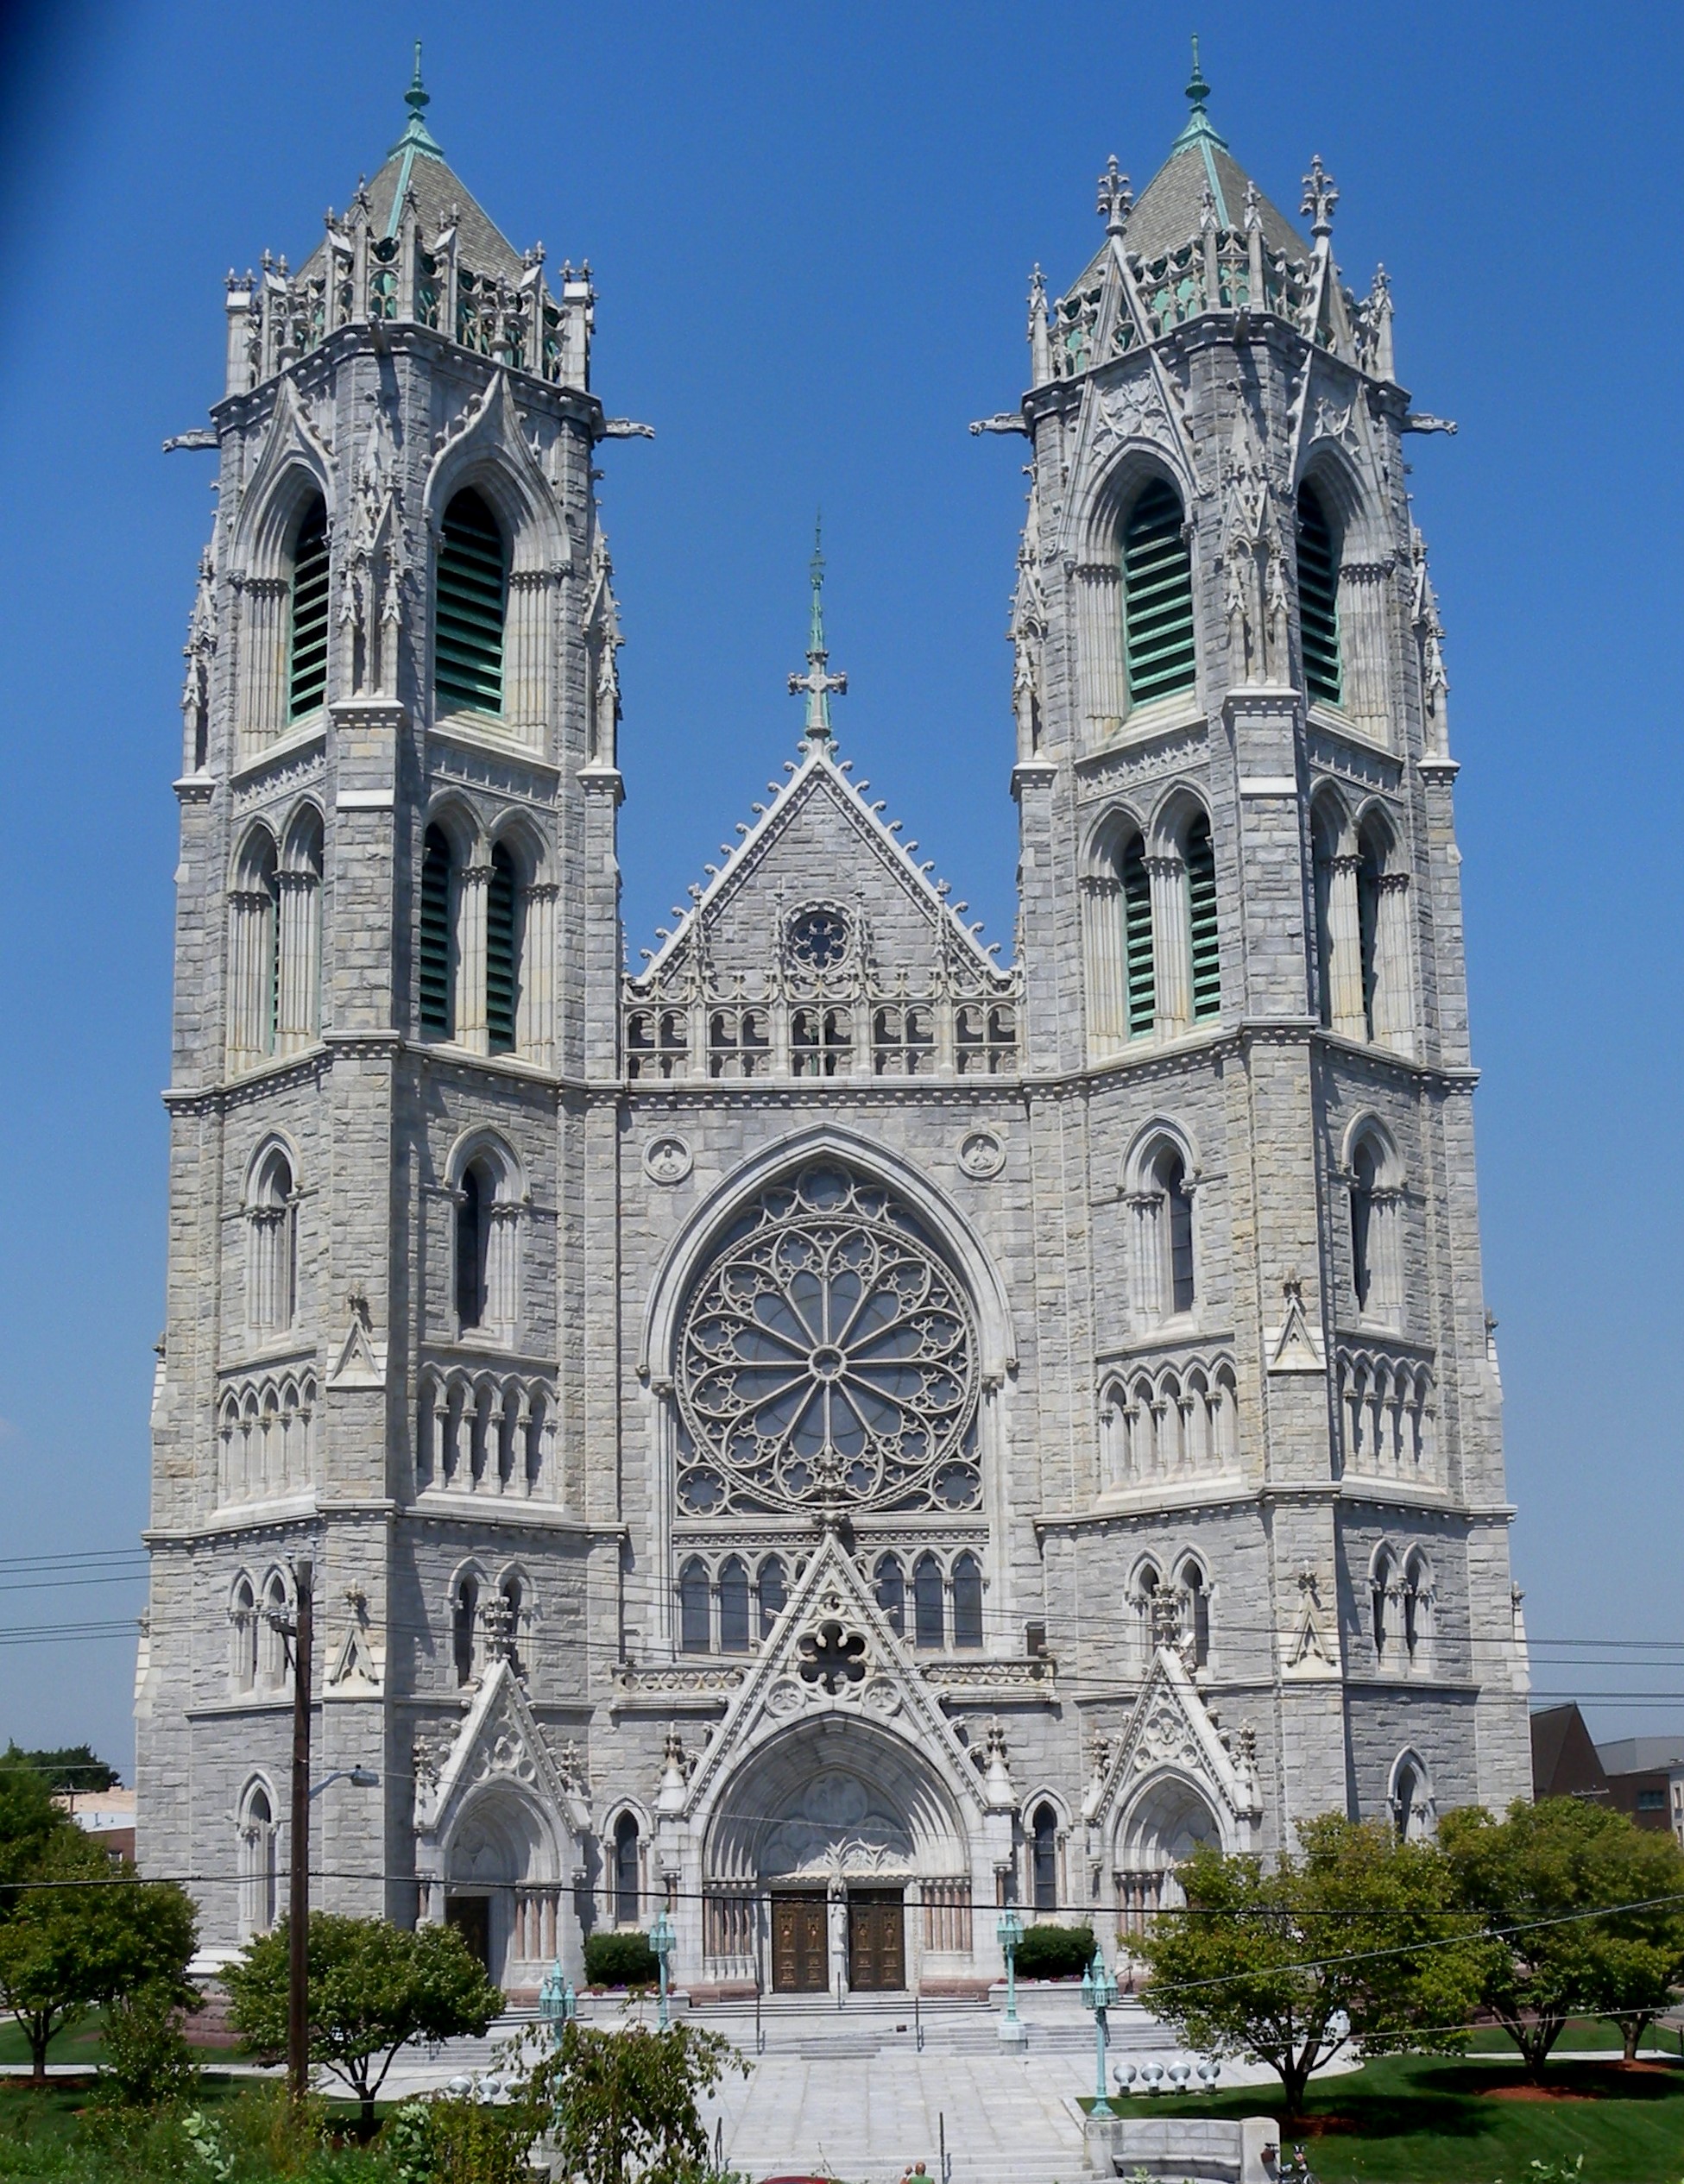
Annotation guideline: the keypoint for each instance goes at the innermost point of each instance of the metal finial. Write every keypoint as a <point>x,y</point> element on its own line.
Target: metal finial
<point>417,98</point>
<point>818,683</point>
<point>1197,90</point>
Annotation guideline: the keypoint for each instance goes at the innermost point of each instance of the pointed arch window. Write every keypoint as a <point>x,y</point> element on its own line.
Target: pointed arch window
<point>774,1588</point>
<point>1201,932</point>
<point>1197,1622</point>
<point>1177,1230</point>
<point>968,1601</point>
<point>890,1586</point>
<point>1365,1175</point>
<point>1318,598</point>
<point>1381,1592</point>
<point>733,1606</point>
<point>307,653</point>
<point>929,1605</point>
<point>1158,596</point>
<point>272,1662</point>
<point>464,1626</point>
<point>438,982</point>
<point>627,1890</point>
<point>242,1620</point>
<point>513,1593</point>
<point>502,953</point>
<point>272,1247</point>
<point>471,602</point>
<point>1045,1883</point>
<point>473,1231</point>
<point>260,1867</point>
<point>695,1609</point>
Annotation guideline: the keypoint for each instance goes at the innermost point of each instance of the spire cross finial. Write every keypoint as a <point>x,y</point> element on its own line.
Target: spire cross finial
<point>1116,198</point>
<point>1320,197</point>
<point>818,683</point>
<point>1197,90</point>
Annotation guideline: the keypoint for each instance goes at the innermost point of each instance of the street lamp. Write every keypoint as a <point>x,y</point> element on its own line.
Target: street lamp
<point>359,1778</point>
<point>1099,1991</point>
<point>1008,1934</point>
<point>557,2001</point>
<point>661,1941</point>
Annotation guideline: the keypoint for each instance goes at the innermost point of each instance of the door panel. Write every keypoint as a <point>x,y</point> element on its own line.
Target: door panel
<point>471,1917</point>
<point>799,1950</point>
<point>876,1941</point>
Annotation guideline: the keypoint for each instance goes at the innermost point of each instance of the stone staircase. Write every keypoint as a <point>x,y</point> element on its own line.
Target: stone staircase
<point>812,2028</point>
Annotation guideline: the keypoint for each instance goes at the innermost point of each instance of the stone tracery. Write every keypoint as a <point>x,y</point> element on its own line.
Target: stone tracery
<point>827,1357</point>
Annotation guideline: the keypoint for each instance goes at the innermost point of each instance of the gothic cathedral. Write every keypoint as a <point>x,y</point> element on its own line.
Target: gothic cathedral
<point>827,1433</point>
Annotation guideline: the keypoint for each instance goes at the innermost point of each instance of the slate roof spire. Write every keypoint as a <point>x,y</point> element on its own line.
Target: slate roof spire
<point>417,136</point>
<point>817,683</point>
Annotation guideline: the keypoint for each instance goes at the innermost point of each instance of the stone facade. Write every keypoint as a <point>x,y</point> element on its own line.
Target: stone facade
<point>826,1433</point>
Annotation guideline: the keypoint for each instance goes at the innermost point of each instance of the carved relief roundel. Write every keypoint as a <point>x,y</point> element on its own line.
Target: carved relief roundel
<point>826,1356</point>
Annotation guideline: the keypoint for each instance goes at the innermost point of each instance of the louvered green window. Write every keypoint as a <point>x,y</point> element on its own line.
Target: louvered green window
<point>1137,941</point>
<point>1202,920</point>
<point>1157,596</point>
<point>468,617</point>
<point>438,1017</point>
<point>306,660</point>
<point>499,954</point>
<point>1318,597</point>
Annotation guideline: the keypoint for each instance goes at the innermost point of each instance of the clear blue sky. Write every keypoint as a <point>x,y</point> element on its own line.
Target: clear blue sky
<point>811,229</point>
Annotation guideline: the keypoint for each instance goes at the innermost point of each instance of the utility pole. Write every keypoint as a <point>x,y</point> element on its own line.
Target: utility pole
<point>298,1934</point>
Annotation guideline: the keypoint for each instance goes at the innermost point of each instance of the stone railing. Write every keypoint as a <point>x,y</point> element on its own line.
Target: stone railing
<point>361,278</point>
<point>853,1026</point>
<point>1388,1408</point>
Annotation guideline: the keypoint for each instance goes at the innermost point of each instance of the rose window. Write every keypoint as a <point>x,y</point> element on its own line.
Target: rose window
<point>826,1356</point>
<point>818,939</point>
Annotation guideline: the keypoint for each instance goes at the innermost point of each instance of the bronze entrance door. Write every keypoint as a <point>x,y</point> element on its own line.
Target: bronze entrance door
<point>471,1917</point>
<point>876,1941</point>
<point>799,1954</point>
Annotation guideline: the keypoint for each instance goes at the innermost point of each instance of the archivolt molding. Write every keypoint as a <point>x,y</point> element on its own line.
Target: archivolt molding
<point>487,448</point>
<point>267,506</point>
<point>1169,1735</point>
<point>500,1746</point>
<point>987,1295</point>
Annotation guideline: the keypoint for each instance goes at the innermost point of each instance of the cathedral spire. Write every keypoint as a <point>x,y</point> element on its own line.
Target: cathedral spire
<point>417,136</point>
<point>1199,129</point>
<point>817,683</point>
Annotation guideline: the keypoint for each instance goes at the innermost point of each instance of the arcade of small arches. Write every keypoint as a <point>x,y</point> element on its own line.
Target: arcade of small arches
<point>488,1617</point>
<point>266,1433</point>
<point>258,1617</point>
<point>1150,925</point>
<point>1179,1421</point>
<point>1362,931</point>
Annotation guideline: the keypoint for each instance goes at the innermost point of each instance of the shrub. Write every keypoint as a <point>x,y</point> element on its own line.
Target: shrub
<point>147,2063</point>
<point>1055,1953</point>
<point>619,1960</point>
<point>445,2141</point>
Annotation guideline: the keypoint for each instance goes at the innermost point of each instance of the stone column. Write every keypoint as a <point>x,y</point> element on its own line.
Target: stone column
<point>297,1013</point>
<point>473,885</point>
<point>1344,937</point>
<point>249,945</point>
<point>1172,947</point>
<point>1103,948</point>
<point>1104,691</point>
<point>534,1029</point>
<point>1394,1018</point>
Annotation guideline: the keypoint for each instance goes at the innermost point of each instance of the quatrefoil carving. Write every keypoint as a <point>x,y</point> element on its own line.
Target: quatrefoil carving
<point>832,1655</point>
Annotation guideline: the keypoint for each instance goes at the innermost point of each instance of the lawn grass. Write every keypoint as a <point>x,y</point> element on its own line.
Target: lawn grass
<point>1419,2119</point>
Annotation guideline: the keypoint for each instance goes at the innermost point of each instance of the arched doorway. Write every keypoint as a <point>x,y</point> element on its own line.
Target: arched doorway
<point>836,1858</point>
<point>1165,1823</point>
<point>502,1885</point>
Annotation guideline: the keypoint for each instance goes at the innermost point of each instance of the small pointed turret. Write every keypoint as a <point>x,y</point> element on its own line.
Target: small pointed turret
<point>817,683</point>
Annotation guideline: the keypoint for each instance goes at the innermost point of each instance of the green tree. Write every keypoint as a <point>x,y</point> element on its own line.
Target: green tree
<point>86,1931</point>
<point>1354,1938</point>
<point>28,1818</point>
<point>625,2103</point>
<point>1539,1882</point>
<point>372,1986</point>
<point>71,1766</point>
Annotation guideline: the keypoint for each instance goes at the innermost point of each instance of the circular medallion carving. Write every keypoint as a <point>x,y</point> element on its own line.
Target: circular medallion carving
<point>818,937</point>
<point>666,1159</point>
<point>826,1356</point>
<point>981,1155</point>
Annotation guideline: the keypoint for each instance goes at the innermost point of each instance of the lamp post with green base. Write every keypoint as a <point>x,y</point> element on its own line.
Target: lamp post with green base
<point>1008,1934</point>
<point>661,1940</point>
<point>1099,1991</point>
